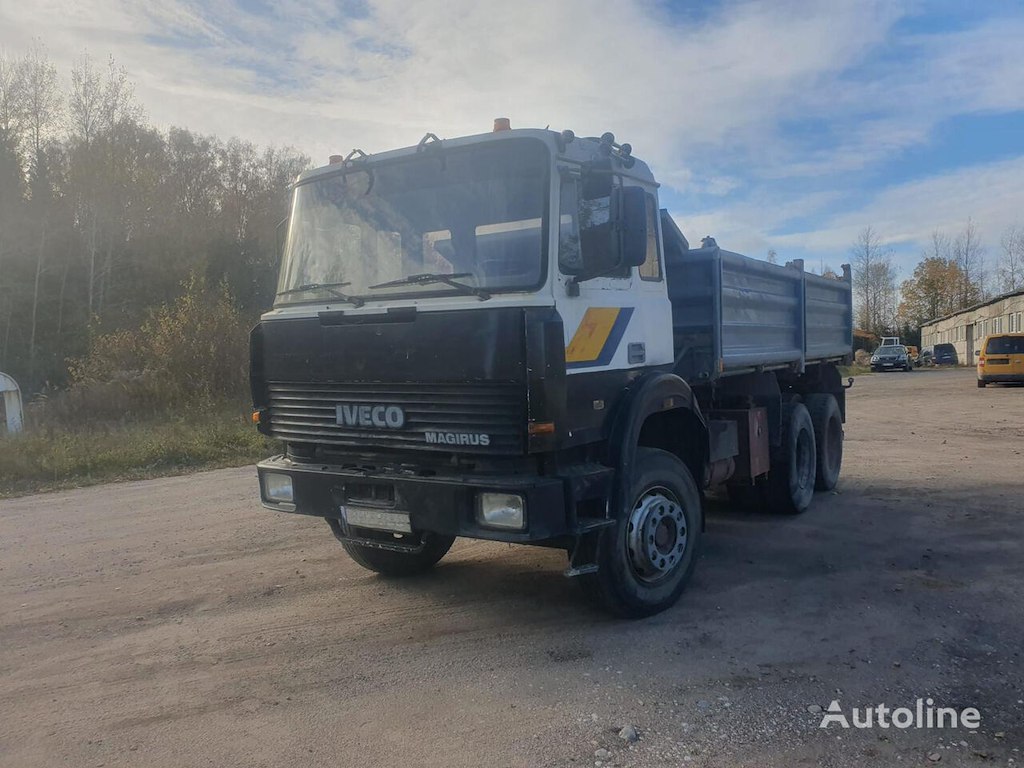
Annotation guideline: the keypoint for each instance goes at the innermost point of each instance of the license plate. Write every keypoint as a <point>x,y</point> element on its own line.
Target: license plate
<point>376,519</point>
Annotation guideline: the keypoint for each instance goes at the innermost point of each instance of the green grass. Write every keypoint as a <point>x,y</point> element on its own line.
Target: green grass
<point>51,459</point>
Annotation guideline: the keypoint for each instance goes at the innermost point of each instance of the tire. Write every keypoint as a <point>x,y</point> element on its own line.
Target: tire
<point>828,439</point>
<point>790,485</point>
<point>388,562</point>
<point>646,559</point>
<point>981,384</point>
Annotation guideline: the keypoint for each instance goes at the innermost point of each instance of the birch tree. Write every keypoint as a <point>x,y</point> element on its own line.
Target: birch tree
<point>1011,265</point>
<point>874,282</point>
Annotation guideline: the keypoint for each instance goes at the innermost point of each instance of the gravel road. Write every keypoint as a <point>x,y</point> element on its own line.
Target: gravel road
<point>174,622</point>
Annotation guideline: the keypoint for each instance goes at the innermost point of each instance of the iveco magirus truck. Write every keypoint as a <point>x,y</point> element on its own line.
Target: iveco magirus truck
<point>504,337</point>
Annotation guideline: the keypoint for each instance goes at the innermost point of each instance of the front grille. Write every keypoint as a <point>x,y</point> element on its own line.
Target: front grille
<point>307,413</point>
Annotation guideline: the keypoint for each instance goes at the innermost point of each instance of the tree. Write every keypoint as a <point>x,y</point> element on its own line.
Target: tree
<point>85,101</point>
<point>874,283</point>
<point>42,112</point>
<point>927,294</point>
<point>103,218</point>
<point>968,254</point>
<point>1011,265</point>
<point>12,188</point>
<point>42,98</point>
<point>104,116</point>
<point>12,124</point>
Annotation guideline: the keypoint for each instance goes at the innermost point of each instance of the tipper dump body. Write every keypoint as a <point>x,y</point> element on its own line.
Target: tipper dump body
<point>733,314</point>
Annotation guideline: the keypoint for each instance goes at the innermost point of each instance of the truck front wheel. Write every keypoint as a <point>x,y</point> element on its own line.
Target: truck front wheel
<point>389,562</point>
<point>645,560</point>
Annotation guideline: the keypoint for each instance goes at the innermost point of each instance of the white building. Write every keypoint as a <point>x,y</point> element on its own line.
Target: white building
<point>966,329</point>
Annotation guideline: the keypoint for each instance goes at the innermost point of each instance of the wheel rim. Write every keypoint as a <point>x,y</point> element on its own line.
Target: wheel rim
<point>804,459</point>
<point>656,535</point>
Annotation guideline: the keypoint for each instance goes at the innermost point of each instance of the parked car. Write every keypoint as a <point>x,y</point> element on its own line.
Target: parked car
<point>891,357</point>
<point>925,358</point>
<point>945,354</point>
<point>1001,359</point>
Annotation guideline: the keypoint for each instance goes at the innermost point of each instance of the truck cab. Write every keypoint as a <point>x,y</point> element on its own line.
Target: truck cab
<point>475,337</point>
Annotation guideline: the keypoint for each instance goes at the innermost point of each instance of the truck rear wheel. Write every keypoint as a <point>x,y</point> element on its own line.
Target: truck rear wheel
<point>790,484</point>
<point>828,439</point>
<point>645,560</point>
<point>389,562</point>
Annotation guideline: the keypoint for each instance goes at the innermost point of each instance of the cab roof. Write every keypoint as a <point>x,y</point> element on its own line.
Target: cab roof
<point>576,150</point>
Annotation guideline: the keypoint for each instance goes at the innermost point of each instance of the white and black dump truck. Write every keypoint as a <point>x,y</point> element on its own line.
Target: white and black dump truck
<point>504,337</point>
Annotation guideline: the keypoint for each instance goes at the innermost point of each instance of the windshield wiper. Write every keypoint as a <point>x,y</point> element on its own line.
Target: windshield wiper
<point>331,288</point>
<point>438,277</point>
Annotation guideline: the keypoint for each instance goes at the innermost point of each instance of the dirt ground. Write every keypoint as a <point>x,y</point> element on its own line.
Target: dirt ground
<point>174,622</point>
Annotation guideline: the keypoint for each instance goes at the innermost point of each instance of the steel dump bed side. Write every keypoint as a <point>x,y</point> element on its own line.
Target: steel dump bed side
<point>732,314</point>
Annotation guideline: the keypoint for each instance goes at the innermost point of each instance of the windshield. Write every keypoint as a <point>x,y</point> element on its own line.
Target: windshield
<point>891,351</point>
<point>1005,345</point>
<point>477,212</point>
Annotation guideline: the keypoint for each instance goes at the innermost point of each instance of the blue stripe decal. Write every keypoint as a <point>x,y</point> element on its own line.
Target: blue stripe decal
<point>611,344</point>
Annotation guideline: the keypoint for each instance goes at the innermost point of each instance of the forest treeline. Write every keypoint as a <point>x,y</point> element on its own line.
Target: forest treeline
<point>107,223</point>
<point>955,272</point>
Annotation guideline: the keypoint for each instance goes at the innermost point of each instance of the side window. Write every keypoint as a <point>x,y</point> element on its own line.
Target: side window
<point>651,268</point>
<point>570,259</point>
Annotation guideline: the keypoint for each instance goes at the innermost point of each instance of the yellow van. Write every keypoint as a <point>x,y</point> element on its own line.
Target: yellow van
<point>1001,358</point>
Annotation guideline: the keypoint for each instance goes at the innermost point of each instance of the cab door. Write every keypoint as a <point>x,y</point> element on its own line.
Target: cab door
<point>618,320</point>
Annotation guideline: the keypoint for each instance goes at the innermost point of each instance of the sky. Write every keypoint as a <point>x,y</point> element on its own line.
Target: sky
<point>782,124</point>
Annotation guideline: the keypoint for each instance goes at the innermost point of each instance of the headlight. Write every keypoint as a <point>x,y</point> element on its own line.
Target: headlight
<point>874,359</point>
<point>501,510</point>
<point>277,487</point>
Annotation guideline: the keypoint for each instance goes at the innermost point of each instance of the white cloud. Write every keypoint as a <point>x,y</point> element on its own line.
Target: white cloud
<point>671,88</point>
<point>707,103</point>
<point>991,193</point>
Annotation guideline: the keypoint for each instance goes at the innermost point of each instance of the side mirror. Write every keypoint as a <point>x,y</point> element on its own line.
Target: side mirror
<point>630,206</point>
<point>613,232</point>
<point>977,353</point>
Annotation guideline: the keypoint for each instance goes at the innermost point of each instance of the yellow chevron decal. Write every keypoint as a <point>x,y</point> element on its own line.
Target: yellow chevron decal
<point>591,335</point>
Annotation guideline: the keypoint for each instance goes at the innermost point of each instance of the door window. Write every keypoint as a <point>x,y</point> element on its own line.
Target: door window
<point>584,227</point>
<point>651,268</point>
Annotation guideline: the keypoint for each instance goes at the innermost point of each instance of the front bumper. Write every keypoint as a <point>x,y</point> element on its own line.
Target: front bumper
<point>1001,378</point>
<point>439,504</point>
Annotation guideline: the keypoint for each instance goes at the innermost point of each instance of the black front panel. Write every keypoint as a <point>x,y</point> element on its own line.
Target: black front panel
<point>308,412</point>
<point>459,379</point>
<point>467,345</point>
